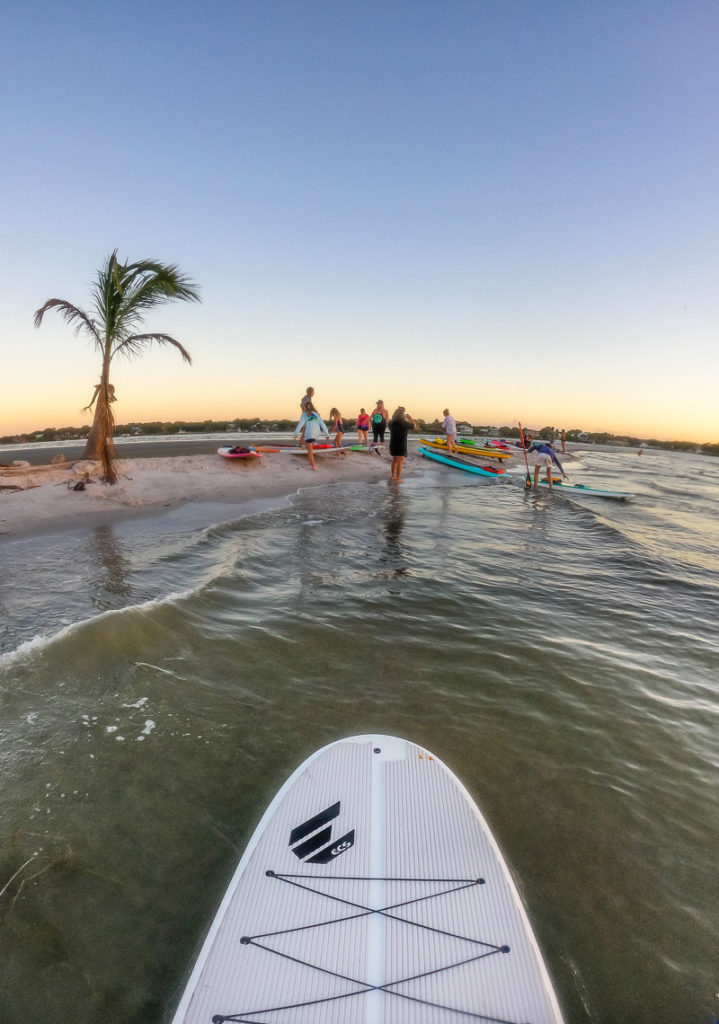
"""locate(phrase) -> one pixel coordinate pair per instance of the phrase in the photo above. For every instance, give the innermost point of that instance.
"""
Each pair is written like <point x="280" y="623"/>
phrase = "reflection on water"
<point x="392" y="525"/>
<point x="109" y="584"/>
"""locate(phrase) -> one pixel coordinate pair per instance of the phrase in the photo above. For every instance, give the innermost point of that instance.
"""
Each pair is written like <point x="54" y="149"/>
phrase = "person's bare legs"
<point x="311" y="452"/>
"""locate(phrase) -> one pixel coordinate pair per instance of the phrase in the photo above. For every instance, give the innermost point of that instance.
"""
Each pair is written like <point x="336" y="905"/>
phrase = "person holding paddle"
<point x="544" y="456"/>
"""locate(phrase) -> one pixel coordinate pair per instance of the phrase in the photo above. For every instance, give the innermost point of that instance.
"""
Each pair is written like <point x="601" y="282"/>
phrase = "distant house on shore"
<point x="464" y="428"/>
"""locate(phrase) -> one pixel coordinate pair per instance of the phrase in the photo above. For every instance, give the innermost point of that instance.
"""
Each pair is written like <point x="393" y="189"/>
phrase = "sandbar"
<point x="45" y="499"/>
<point x="56" y="497"/>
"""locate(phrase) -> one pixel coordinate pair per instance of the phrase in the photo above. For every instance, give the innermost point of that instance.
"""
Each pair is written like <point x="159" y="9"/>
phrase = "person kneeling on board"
<point x="544" y="456"/>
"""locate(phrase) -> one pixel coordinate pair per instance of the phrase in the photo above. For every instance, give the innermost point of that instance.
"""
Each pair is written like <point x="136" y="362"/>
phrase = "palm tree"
<point x="123" y="293"/>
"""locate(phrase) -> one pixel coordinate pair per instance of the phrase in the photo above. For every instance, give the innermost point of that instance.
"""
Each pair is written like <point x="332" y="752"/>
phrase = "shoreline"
<point x="42" y="453"/>
<point x="174" y="445"/>
<point x="42" y="500"/>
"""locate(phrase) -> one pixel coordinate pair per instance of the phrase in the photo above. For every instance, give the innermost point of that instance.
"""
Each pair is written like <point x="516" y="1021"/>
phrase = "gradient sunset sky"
<point x="510" y="208"/>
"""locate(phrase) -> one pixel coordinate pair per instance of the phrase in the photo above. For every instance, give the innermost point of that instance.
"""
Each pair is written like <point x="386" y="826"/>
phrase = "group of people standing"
<point x="311" y="429"/>
<point x="376" y="421"/>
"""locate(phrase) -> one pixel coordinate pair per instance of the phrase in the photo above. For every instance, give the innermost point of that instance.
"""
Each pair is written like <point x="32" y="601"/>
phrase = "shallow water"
<point x="160" y="678"/>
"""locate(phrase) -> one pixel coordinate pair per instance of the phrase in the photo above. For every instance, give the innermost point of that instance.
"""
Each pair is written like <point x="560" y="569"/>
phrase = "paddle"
<point x="528" y="480"/>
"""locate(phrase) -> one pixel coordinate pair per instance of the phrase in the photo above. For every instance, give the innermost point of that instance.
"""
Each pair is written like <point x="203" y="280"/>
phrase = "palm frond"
<point x="125" y="292"/>
<point x="72" y="315"/>
<point x="166" y="278"/>
<point x="133" y="345"/>
<point x="107" y="292"/>
<point x="148" y="285"/>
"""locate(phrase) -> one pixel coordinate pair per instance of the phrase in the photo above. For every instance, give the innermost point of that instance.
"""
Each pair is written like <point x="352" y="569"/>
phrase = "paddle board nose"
<point x="372" y="892"/>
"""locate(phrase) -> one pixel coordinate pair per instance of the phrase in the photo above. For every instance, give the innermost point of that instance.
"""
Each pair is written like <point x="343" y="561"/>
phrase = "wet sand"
<point x="46" y="497"/>
<point x="60" y="496"/>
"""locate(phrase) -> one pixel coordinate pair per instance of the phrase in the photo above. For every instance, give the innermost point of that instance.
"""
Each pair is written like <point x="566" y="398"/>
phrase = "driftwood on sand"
<point x="21" y="476"/>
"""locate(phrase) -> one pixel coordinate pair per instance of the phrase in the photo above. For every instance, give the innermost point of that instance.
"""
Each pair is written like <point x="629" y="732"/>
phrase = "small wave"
<point x="114" y="569"/>
<point x="39" y="644"/>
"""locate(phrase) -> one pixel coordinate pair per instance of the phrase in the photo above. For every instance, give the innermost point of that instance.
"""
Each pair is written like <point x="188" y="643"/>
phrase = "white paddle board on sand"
<point x="319" y="451"/>
<point x="372" y="892"/>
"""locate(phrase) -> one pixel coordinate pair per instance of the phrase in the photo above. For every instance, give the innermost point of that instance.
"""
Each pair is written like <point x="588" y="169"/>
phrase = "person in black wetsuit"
<point x="399" y="426"/>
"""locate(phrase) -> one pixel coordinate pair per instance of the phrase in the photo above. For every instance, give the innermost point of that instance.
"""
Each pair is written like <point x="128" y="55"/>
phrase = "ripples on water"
<point x="160" y="679"/>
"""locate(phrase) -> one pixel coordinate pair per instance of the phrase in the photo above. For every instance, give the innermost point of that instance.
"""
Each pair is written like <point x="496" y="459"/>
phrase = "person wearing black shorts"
<point x="379" y="422"/>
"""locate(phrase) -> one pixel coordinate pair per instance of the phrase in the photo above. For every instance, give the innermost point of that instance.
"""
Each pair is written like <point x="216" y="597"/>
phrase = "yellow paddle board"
<point x="467" y="449"/>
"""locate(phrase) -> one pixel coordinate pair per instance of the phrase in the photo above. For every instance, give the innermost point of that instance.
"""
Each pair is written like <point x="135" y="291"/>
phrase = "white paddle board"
<point x="372" y="892"/>
<point x="584" y="490"/>
<point x="318" y="451"/>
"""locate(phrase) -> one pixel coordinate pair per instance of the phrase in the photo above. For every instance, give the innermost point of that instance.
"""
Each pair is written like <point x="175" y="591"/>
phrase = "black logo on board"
<point x="312" y="840"/>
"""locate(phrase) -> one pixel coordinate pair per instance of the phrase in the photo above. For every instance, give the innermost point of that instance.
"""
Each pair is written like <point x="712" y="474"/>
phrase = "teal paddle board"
<point x="455" y="463"/>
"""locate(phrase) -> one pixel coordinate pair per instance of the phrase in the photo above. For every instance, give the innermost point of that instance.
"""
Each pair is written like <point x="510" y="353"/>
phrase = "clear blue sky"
<point x="508" y="208"/>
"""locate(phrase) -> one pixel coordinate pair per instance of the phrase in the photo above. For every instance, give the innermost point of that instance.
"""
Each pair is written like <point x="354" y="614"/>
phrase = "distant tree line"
<point x="626" y="440"/>
<point x="256" y="424"/>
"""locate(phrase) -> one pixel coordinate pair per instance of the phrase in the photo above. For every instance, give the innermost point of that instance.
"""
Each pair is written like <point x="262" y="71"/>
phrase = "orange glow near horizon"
<point x="19" y="417"/>
<point x="264" y="380"/>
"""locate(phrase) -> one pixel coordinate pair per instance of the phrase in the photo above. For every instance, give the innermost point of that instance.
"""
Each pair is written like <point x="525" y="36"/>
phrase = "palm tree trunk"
<point x="93" y="445"/>
<point x="100" y="441"/>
